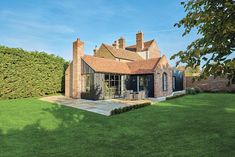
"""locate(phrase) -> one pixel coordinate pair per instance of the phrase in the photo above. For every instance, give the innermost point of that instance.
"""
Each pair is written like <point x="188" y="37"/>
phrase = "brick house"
<point x="116" y="68"/>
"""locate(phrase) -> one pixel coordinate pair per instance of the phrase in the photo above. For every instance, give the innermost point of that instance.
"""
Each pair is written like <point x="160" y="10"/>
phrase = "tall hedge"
<point x="27" y="74"/>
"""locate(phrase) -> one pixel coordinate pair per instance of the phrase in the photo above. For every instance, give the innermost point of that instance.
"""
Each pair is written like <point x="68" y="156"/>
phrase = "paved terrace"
<point x="103" y="107"/>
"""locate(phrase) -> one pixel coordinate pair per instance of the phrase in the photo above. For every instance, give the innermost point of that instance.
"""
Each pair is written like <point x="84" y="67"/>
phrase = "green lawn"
<point x="199" y="125"/>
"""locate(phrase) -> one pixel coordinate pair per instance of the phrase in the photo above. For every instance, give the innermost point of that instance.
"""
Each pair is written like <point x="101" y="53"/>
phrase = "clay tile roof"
<point x="147" y="44"/>
<point x="123" y="54"/>
<point x="143" y="66"/>
<point x="106" y="65"/>
<point x="112" y="66"/>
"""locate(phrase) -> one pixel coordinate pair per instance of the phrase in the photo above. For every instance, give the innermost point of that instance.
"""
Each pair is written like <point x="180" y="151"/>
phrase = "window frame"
<point x="164" y="81"/>
<point x="174" y="82"/>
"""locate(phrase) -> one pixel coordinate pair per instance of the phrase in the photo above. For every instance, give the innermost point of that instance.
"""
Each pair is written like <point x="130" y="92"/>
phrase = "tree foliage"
<point x="192" y="71"/>
<point x="26" y="74"/>
<point x="214" y="21"/>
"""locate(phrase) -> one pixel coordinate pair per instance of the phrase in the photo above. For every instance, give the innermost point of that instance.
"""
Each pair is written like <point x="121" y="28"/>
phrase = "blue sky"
<point x="52" y="25"/>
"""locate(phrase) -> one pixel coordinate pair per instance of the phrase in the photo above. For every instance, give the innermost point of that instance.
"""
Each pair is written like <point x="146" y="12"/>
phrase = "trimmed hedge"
<point x="128" y="108"/>
<point x="175" y="96"/>
<point x="27" y="74"/>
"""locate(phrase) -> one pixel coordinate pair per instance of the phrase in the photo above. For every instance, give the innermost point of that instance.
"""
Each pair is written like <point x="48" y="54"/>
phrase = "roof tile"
<point x="143" y="66"/>
<point x="112" y="66"/>
<point x="106" y="65"/>
<point x="123" y="54"/>
<point x="147" y="44"/>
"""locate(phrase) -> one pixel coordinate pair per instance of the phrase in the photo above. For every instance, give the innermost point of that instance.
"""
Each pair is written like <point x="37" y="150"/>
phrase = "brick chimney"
<point x="121" y="43"/>
<point x="78" y="52"/>
<point x="115" y="44"/>
<point x="95" y="50"/>
<point x="139" y="41"/>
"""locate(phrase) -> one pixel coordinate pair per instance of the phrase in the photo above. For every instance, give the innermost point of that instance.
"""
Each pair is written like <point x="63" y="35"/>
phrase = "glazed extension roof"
<point x="105" y="65"/>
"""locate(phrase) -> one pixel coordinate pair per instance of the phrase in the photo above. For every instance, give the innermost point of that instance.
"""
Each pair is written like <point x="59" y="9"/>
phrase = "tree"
<point x="214" y="21"/>
<point x="192" y="71"/>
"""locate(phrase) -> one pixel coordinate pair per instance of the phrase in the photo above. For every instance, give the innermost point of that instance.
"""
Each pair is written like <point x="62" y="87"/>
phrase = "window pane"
<point x="116" y="77"/>
<point x="112" y="77"/>
<point x="106" y="76"/>
<point x="87" y="83"/>
<point x="112" y="83"/>
<point x="173" y="84"/>
<point x="164" y="81"/>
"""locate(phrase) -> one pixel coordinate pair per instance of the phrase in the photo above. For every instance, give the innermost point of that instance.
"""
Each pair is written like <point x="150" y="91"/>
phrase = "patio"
<point x="103" y="107"/>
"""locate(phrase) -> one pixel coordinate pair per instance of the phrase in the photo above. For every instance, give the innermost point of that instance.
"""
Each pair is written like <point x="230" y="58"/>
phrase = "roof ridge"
<point x="144" y="42"/>
<point x="120" y="49"/>
<point x="100" y="57"/>
<point x="134" y="56"/>
<point x="105" y="45"/>
<point x="157" y="63"/>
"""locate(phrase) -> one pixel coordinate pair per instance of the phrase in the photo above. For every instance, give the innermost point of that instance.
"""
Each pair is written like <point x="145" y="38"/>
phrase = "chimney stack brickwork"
<point x="78" y="52"/>
<point x="121" y="43"/>
<point x="139" y="41"/>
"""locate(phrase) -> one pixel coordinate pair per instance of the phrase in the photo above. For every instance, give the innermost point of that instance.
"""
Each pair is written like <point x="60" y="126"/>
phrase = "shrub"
<point x="128" y="108"/>
<point x="175" y="96"/>
<point x="197" y="90"/>
<point x="27" y="74"/>
<point x="193" y="91"/>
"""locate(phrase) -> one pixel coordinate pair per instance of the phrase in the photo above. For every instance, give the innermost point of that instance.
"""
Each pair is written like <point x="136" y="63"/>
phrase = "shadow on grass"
<point x="190" y="126"/>
<point x="44" y="138"/>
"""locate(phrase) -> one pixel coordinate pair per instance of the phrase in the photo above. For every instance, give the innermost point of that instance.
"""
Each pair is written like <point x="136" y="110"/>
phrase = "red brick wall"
<point x="210" y="84"/>
<point x="162" y="67"/>
<point x="158" y="85"/>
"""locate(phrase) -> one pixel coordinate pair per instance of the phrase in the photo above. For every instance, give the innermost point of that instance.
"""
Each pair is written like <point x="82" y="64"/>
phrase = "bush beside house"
<point x="192" y="91"/>
<point x="26" y="74"/>
<point x="175" y="96"/>
<point x="129" y="108"/>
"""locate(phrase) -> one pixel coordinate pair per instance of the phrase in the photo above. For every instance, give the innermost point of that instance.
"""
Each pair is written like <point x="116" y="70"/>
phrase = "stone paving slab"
<point x="103" y="107"/>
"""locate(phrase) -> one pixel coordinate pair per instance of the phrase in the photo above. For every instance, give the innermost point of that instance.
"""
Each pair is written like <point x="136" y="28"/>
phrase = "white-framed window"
<point x="164" y="81"/>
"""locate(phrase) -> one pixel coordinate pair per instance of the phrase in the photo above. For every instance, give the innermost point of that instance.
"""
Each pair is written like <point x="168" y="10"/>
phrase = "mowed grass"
<point x="198" y="125"/>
